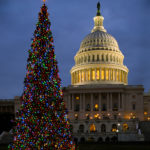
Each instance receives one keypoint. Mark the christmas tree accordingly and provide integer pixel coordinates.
(41, 123)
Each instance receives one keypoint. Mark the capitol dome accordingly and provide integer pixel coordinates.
(99, 59)
(99, 40)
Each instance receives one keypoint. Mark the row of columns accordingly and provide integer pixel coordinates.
(104, 74)
(109, 101)
(99, 58)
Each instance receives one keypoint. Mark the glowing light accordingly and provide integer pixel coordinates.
(96, 116)
(77, 97)
(92, 128)
(96, 106)
(145, 113)
(91, 117)
(118, 124)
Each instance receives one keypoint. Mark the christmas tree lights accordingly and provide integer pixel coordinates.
(41, 123)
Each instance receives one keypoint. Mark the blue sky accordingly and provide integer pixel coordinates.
(127, 20)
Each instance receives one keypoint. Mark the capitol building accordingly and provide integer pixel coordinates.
(101, 106)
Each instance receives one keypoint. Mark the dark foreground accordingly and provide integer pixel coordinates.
(121, 146)
(109, 146)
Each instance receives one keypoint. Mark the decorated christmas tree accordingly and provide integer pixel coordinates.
(41, 123)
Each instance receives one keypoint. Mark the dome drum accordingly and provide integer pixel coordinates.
(99, 75)
(99, 57)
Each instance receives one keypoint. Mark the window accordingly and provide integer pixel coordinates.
(115, 107)
(96, 107)
(79, 76)
(88, 75)
(103, 128)
(133, 106)
(114, 128)
(77, 107)
(88, 107)
(87, 116)
(93, 58)
(107, 74)
(81, 128)
(102, 74)
(92, 128)
(104, 107)
(88, 58)
(106, 57)
(93, 74)
(125, 127)
(102, 57)
(97, 74)
(82, 75)
(117, 75)
(97, 57)
(76, 116)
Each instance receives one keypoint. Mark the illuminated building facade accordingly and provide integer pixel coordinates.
(101, 105)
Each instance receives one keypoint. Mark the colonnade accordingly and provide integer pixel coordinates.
(82, 101)
(99, 74)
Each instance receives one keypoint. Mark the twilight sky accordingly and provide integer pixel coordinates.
(127, 20)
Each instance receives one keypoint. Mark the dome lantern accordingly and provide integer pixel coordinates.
(98, 20)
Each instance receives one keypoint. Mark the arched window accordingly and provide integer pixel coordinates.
(114, 128)
(93, 58)
(84, 58)
(103, 128)
(81, 128)
(114, 58)
(92, 128)
(89, 58)
(107, 58)
(102, 57)
(110, 57)
(125, 127)
(97, 57)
